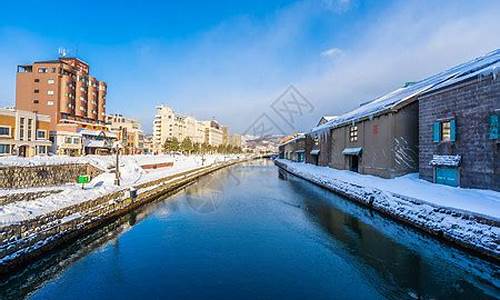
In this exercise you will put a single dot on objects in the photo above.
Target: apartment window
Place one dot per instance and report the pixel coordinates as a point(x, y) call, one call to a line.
point(30, 124)
point(35, 101)
point(52, 70)
point(42, 70)
point(353, 133)
point(36, 80)
point(4, 131)
point(41, 134)
point(50, 103)
point(50, 92)
point(76, 140)
point(67, 140)
point(42, 149)
point(21, 128)
point(36, 91)
point(4, 149)
point(51, 81)
point(444, 131)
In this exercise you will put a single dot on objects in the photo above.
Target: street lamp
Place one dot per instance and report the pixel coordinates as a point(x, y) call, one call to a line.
point(117, 146)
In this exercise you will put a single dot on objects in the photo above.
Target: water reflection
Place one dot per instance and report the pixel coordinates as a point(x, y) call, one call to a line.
point(248, 233)
point(415, 265)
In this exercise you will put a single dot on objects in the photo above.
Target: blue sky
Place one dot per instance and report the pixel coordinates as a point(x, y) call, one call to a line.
point(231, 59)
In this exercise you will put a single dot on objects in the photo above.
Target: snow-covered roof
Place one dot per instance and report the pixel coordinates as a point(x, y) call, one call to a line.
point(445, 160)
point(329, 118)
point(296, 138)
point(97, 144)
point(487, 64)
point(97, 133)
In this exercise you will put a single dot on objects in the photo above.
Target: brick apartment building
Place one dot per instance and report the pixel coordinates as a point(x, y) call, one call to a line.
point(64, 90)
point(74, 100)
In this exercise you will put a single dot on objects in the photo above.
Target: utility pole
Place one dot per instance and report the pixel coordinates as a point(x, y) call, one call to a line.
point(117, 169)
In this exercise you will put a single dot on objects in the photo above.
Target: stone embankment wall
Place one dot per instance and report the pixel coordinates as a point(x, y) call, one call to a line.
point(475, 233)
point(48, 175)
point(22, 242)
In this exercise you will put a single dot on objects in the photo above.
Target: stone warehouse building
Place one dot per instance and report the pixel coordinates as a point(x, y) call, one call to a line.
point(293, 148)
point(23, 133)
point(382, 137)
point(459, 130)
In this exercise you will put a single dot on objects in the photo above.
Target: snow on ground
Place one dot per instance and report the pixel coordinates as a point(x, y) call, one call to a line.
point(131, 174)
point(485, 202)
point(451, 213)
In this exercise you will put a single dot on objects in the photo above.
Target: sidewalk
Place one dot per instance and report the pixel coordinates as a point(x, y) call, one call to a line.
point(130, 170)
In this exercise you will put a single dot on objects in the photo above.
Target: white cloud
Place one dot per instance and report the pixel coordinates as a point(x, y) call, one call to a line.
point(332, 53)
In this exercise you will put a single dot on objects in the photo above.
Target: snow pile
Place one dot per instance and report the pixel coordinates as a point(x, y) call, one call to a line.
point(468, 217)
point(131, 174)
point(487, 64)
point(445, 160)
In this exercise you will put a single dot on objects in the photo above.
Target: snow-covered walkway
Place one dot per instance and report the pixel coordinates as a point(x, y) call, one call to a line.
point(485, 202)
point(130, 170)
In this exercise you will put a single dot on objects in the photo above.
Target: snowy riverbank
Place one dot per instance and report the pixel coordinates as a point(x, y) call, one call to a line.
point(468, 217)
point(131, 174)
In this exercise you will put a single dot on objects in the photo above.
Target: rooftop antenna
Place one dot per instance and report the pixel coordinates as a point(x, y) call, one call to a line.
point(63, 52)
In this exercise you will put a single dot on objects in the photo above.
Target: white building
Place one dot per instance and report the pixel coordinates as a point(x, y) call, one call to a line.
point(169, 124)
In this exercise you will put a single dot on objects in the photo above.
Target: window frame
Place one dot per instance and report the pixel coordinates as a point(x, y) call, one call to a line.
point(44, 134)
point(8, 147)
point(353, 133)
point(7, 127)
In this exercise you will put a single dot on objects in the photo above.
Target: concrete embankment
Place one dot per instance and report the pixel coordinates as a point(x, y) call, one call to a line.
point(474, 233)
point(23, 242)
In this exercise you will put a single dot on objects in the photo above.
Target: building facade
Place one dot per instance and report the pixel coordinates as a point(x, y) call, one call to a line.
point(168, 124)
point(214, 134)
point(293, 149)
point(64, 90)
point(128, 132)
point(459, 133)
point(24, 133)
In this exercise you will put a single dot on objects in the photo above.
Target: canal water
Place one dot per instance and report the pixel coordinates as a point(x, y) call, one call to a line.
point(252, 232)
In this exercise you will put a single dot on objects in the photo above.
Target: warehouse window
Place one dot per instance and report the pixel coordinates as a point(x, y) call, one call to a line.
point(444, 131)
point(353, 133)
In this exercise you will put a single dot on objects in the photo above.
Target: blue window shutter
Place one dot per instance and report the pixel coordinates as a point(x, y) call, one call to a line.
point(436, 132)
point(494, 127)
point(453, 130)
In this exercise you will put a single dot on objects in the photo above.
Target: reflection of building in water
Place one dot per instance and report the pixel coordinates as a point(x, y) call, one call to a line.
point(398, 254)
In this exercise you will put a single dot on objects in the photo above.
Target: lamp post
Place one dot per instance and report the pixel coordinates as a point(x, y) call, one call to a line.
point(117, 146)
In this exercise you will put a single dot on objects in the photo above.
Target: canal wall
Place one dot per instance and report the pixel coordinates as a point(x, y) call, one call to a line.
point(472, 232)
point(28, 240)
point(16, 177)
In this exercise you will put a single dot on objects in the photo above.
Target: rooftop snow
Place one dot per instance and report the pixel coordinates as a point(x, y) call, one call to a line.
point(486, 64)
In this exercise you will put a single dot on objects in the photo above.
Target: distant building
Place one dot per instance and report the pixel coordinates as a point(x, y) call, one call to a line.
point(235, 140)
point(128, 132)
point(214, 135)
point(168, 124)
point(148, 144)
point(24, 133)
point(293, 148)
